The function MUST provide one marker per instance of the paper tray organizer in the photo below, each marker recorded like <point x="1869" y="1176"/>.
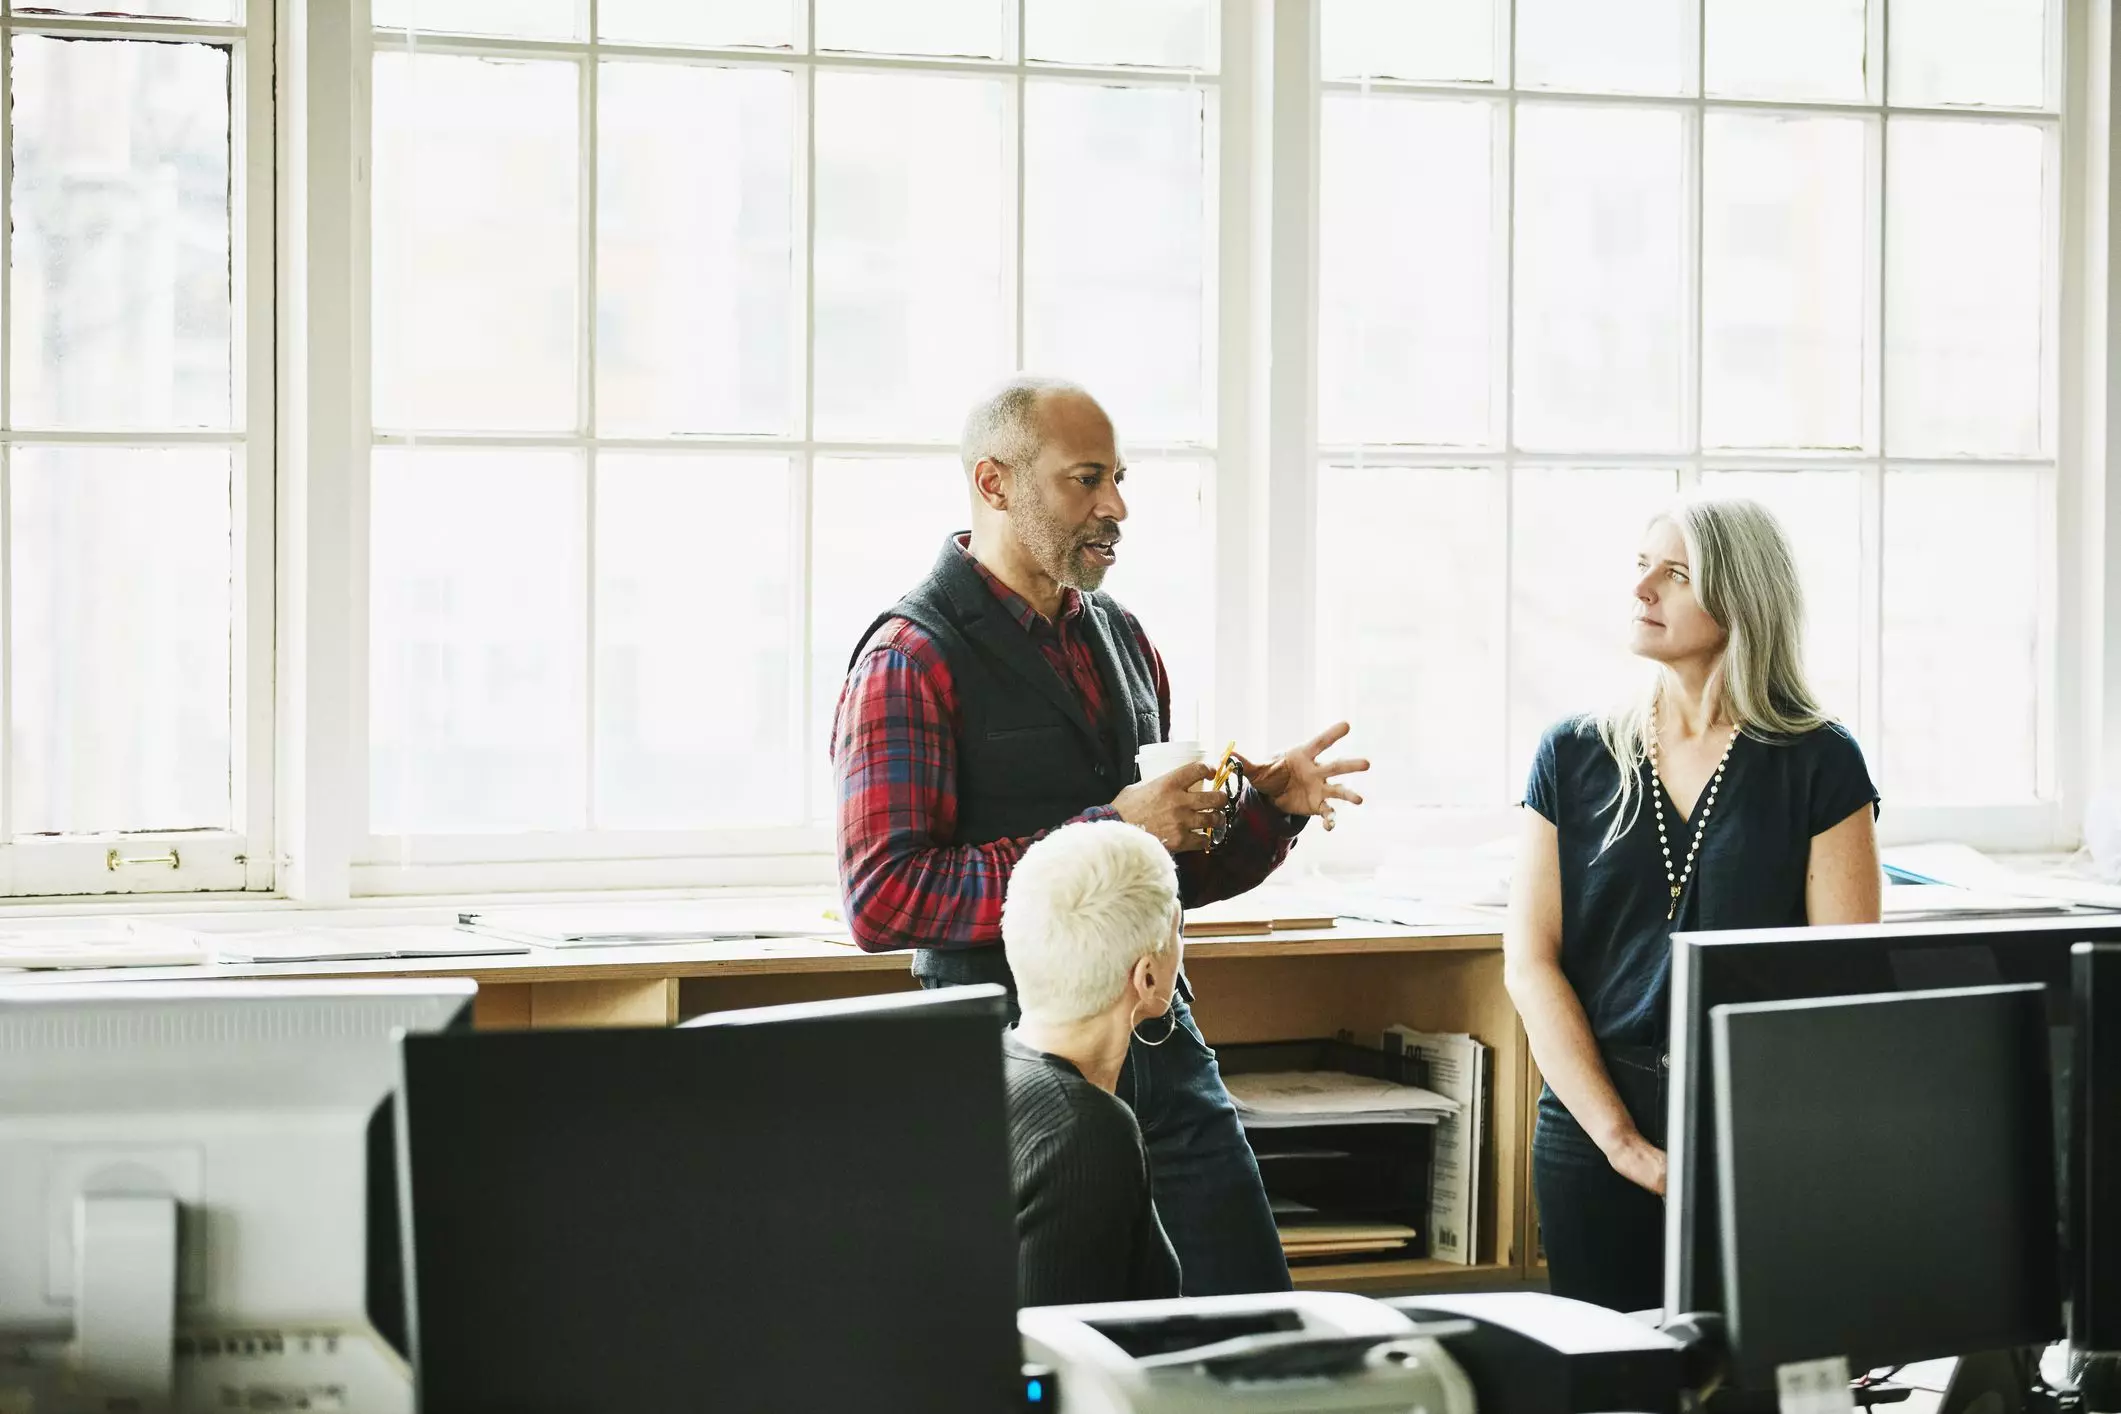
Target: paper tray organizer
<point x="1347" y="1174"/>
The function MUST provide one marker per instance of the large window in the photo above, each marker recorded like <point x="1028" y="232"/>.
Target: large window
<point x="1575" y="259"/>
<point x="677" y="309"/>
<point x="135" y="437"/>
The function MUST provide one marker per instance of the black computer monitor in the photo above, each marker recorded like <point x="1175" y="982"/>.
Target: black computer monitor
<point x="1886" y="1174"/>
<point x="2095" y="1155"/>
<point x="1791" y="964"/>
<point x="804" y="1214"/>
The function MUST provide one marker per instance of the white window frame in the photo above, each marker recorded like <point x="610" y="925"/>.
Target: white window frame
<point x="1262" y="522"/>
<point x="2068" y="638"/>
<point x="182" y="861"/>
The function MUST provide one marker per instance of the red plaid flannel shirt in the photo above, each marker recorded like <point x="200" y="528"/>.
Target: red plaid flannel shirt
<point x="894" y="755"/>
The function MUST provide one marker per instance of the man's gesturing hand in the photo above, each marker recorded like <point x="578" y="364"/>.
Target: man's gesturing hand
<point x="1173" y="808"/>
<point x="1300" y="784"/>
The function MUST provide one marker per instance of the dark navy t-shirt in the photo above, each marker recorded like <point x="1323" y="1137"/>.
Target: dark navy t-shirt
<point x="1615" y="939"/>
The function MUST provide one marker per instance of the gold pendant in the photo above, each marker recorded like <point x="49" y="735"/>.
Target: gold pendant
<point x="1673" y="911"/>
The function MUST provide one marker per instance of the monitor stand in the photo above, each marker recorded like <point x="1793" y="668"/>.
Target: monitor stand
<point x="125" y="1296"/>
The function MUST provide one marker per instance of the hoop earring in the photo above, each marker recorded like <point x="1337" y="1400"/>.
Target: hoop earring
<point x="1171" y="1025"/>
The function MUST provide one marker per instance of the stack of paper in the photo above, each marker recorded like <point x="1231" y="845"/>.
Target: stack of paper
<point x="125" y="943"/>
<point x="1458" y="1066"/>
<point x="1344" y="1239"/>
<point x="626" y="924"/>
<point x="1266" y="910"/>
<point x="319" y="944"/>
<point x="1288" y="1098"/>
<point x="1962" y="867"/>
<point x="1925" y="903"/>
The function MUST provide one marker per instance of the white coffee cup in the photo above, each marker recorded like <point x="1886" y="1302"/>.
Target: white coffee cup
<point x="1160" y="758"/>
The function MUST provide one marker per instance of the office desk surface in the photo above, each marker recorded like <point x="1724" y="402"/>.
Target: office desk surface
<point x="1359" y="977"/>
<point x="766" y="955"/>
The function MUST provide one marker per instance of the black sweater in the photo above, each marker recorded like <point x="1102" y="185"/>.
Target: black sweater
<point x="1086" y="1229"/>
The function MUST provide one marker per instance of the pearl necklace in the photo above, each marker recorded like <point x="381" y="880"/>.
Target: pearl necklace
<point x="1678" y="881"/>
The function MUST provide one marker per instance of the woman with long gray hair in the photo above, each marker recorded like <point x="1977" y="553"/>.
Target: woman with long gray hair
<point x="1720" y="796"/>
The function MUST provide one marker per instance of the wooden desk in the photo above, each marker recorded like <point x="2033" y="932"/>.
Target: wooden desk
<point x="1358" y="977"/>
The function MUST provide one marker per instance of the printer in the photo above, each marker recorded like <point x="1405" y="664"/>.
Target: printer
<point x="1527" y="1352"/>
<point x="1275" y="1353"/>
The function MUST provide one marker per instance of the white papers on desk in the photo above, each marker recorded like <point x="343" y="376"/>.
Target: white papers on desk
<point x="1963" y="867"/>
<point x="631" y="924"/>
<point x="125" y="943"/>
<point x="358" y="944"/>
<point x="1287" y="1098"/>
<point x="1458" y="1066"/>
<point x="1923" y="903"/>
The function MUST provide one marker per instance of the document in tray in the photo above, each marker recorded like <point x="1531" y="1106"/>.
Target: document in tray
<point x="690" y="921"/>
<point x="1457" y="1065"/>
<point x="121" y="944"/>
<point x="358" y="944"/>
<point x="1297" y="1097"/>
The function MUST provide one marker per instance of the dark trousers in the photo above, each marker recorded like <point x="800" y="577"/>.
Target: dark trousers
<point x="1202" y="1174"/>
<point x="1604" y="1236"/>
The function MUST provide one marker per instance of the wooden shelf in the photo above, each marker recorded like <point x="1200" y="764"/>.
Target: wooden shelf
<point x="1413" y="1275"/>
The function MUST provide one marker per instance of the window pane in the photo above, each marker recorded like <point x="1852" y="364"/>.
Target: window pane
<point x="758" y="24"/>
<point x="476" y="642"/>
<point x="1614" y="46"/>
<point x="1969" y="51"/>
<point x="1406" y="254"/>
<point x="149" y="9"/>
<point x="475" y="202"/>
<point x="1962" y="636"/>
<point x="1966" y="277"/>
<point x="1784" y="282"/>
<point x="911" y="239"/>
<point x="121" y="313"/>
<point x="696" y="304"/>
<point x="876" y="527"/>
<point x="1423" y="688"/>
<point x="1165" y="578"/>
<point x="1574" y="537"/>
<point x="1822" y="517"/>
<point x="967" y="27"/>
<point x="1114" y="286"/>
<point x="694" y="661"/>
<point x="1449" y="40"/>
<point x="1601" y="277"/>
<point x="1786" y="49"/>
<point x="534" y="19"/>
<point x="121" y="611"/>
<point x="1172" y="34"/>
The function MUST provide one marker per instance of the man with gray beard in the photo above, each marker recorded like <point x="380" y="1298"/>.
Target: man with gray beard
<point x="1004" y="697"/>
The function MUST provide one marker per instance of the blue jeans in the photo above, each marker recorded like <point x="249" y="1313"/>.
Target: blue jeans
<point x="1202" y="1175"/>
<point x="1201" y="1169"/>
<point x="1604" y="1236"/>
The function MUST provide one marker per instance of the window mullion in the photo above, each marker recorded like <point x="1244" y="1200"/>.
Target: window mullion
<point x="802" y="684"/>
<point x="586" y="365"/>
<point x="7" y="453"/>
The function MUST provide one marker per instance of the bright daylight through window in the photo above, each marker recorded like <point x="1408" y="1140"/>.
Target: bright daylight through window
<point x="670" y="311"/>
<point x="1801" y="250"/>
<point x="132" y="651"/>
<point x="677" y="310"/>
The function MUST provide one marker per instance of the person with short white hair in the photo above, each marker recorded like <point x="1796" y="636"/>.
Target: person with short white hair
<point x="1091" y="929"/>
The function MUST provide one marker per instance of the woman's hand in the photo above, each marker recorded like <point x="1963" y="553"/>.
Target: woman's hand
<point x="1638" y="1161"/>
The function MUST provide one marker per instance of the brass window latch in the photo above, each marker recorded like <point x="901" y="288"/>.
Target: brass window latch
<point x="113" y="859"/>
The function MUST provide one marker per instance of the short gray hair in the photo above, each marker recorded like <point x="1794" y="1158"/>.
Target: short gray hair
<point x="1002" y="427"/>
<point x="1085" y="904"/>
